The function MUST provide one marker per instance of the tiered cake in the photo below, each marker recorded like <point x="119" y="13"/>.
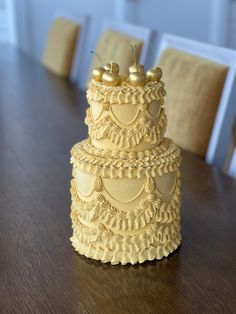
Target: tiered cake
<point x="126" y="181"/>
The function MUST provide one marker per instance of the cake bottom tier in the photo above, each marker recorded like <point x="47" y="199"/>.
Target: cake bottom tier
<point x="127" y="216"/>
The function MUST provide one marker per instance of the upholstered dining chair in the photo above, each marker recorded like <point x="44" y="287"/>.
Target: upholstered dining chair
<point x="200" y="102"/>
<point x="63" y="52"/>
<point x="115" y="44"/>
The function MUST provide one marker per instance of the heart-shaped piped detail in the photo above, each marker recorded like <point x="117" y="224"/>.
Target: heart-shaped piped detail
<point x="154" y="108"/>
<point x="125" y="114"/>
<point x="122" y="190"/>
<point x="85" y="183"/>
<point x="165" y="184"/>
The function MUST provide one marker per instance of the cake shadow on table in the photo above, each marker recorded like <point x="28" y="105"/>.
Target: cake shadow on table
<point x="126" y="180"/>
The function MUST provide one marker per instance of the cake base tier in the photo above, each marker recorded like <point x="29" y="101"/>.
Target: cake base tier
<point x="125" y="206"/>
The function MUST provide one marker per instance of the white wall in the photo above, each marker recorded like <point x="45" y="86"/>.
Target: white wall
<point x="204" y="20"/>
<point x="7" y="27"/>
<point x="232" y="26"/>
<point x="3" y="21"/>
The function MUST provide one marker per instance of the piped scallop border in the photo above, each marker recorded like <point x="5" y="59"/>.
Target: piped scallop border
<point x="122" y="137"/>
<point x="116" y="164"/>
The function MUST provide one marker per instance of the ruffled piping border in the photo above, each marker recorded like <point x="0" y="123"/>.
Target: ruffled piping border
<point x="125" y="94"/>
<point x="89" y="159"/>
<point x="105" y="256"/>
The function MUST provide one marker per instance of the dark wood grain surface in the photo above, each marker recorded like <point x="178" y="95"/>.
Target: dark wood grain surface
<point x="41" y="117"/>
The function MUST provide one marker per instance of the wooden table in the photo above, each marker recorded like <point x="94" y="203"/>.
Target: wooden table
<point x="41" y="117"/>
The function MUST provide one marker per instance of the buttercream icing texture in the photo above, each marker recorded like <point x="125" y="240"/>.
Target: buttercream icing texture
<point x="125" y="185"/>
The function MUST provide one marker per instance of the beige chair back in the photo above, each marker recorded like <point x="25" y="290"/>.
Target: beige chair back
<point x="194" y="86"/>
<point x="60" y="47"/>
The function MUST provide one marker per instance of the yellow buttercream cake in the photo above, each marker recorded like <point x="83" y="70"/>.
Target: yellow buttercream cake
<point x="126" y="180"/>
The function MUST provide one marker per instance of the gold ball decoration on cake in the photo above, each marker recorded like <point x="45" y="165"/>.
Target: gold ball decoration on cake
<point x="112" y="66"/>
<point x="136" y="68"/>
<point x="97" y="74"/>
<point x="111" y="79"/>
<point x="154" y="74"/>
<point x="111" y="75"/>
<point x="137" y="76"/>
<point x="137" y="79"/>
<point x="125" y="185"/>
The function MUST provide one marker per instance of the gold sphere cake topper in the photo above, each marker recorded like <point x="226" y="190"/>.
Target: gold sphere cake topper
<point x="136" y="68"/>
<point x="137" y="79"/>
<point x="137" y="76"/>
<point x="108" y="74"/>
<point x="111" y="76"/>
<point x="97" y="73"/>
<point x="154" y="74"/>
<point x="112" y="67"/>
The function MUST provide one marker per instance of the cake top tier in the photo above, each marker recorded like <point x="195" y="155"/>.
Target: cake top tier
<point x="126" y="112"/>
